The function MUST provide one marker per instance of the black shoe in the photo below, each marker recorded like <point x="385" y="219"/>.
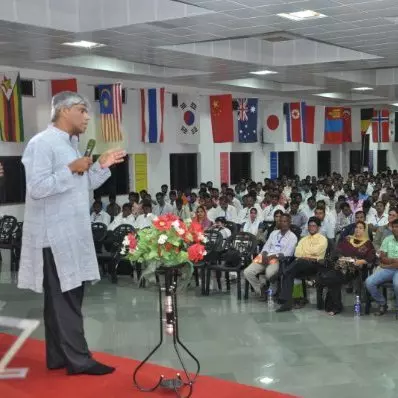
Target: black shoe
<point x="284" y="308"/>
<point x="57" y="367"/>
<point x="98" y="369"/>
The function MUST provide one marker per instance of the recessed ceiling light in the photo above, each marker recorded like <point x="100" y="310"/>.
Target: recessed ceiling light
<point x="302" y="15"/>
<point x="84" y="44"/>
<point x="329" y="95"/>
<point x="362" y="89"/>
<point x="263" y="72"/>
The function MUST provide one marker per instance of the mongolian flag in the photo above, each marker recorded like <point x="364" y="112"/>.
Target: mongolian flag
<point x="11" y="121"/>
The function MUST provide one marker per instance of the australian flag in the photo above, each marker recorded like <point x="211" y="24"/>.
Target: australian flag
<point x="247" y="119"/>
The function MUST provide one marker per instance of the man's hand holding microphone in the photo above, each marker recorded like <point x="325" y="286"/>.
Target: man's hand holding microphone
<point x="107" y="159"/>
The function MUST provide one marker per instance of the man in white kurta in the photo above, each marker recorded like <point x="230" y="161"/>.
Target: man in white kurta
<point x="58" y="252"/>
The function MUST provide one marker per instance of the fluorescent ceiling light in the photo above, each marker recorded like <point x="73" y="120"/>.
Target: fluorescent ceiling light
<point x="302" y="15"/>
<point x="263" y="72"/>
<point x="362" y="89"/>
<point x="84" y="44"/>
<point x="329" y="95"/>
<point x="395" y="104"/>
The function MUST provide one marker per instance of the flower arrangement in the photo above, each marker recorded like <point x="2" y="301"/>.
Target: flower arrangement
<point x="168" y="242"/>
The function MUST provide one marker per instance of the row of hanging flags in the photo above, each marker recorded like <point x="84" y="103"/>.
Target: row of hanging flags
<point x="289" y="122"/>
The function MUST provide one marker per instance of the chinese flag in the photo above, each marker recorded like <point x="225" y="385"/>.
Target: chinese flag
<point x="57" y="86"/>
<point x="222" y="118"/>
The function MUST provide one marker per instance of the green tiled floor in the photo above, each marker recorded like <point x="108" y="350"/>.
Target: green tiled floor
<point x="304" y="352"/>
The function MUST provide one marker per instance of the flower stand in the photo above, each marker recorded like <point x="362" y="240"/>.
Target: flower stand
<point x="168" y="316"/>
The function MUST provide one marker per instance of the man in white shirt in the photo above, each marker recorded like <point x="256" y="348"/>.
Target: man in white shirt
<point x="220" y="223"/>
<point x="162" y="208"/>
<point x="212" y="211"/>
<point x="268" y="213"/>
<point x="327" y="225"/>
<point x="181" y="210"/>
<point x="309" y="209"/>
<point x="378" y="219"/>
<point x="233" y="201"/>
<point x="125" y="217"/>
<point x="99" y="215"/>
<point x="144" y="220"/>
<point x="245" y="212"/>
<point x="227" y="211"/>
<point x="281" y="243"/>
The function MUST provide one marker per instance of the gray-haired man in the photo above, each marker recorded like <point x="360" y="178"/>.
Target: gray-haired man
<point x="58" y="252"/>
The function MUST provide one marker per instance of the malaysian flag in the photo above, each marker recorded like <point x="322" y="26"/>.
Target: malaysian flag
<point x="110" y="98"/>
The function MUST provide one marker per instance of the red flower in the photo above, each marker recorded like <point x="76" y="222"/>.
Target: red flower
<point x="132" y="242"/>
<point x="196" y="252"/>
<point x="162" y="223"/>
<point x="196" y="230"/>
<point x="168" y="246"/>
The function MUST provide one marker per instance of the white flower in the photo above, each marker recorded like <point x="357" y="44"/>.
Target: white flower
<point x="201" y="236"/>
<point x="162" y="239"/>
<point x="123" y="251"/>
<point x="205" y="253"/>
<point x="176" y="224"/>
<point x="126" y="241"/>
<point x="180" y="231"/>
<point x="156" y="218"/>
<point x="204" y="239"/>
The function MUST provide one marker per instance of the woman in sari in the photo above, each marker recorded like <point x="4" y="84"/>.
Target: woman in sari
<point x="201" y="218"/>
<point x="352" y="255"/>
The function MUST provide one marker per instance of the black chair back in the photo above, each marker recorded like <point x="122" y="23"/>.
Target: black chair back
<point x="232" y="227"/>
<point x="7" y="227"/>
<point x="17" y="234"/>
<point x="215" y="240"/>
<point x="244" y="242"/>
<point x="99" y="231"/>
<point x="119" y="234"/>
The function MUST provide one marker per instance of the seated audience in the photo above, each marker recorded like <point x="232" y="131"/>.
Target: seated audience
<point x="134" y="199"/>
<point x="352" y="255"/>
<point x="249" y="203"/>
<point x="345" y="217"/>
<point x="280" y="244"/>
<point x="385" y="230"/>
<point x="379" y="219"/>
<point x="220" y="223"/>
<point x="172" y="198"/>
<point x="350" y="229"/>
<point x="226" y="210"/>
<point x="354" y="201"/>
<point x="202" y="219"/>
<point x="145" y="219"/>
<point x="298" y="217"/>
<point x="182" y="211"/>
<point x="268" y="213"/>
<point x="125" y="217"/>
<point x="309" y="253"/>
<point x="253" y="223"/>
<point x="113" y="209"/>
<point x="275" y="224"/>
<point x="99" y="215"/>
<point x="162" y="208"/>
<point x="388" y="270"/>
<point x="309" y="208"/>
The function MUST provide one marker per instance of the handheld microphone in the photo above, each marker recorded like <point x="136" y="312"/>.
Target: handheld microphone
<point x="90" y="147"/>
<point x="89" y="150"/>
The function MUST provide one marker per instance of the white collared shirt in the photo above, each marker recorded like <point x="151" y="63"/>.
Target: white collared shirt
<point x="377" y="221"/>
<point x="269" y="211"/>
<point x="119" y="220"/>
<point x="163" y="210"/>
<point x="143" y="221"/>
<point x="230" y="214"/>
<point x="102" y="217"/>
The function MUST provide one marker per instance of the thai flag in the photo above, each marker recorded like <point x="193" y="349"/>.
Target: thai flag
<point x="152" y="115"/>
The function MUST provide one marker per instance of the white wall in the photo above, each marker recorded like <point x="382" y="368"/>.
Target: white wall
<point x="36" y="113"/>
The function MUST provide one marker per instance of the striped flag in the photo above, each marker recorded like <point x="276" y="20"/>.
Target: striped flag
<point x="394" y="126"/>
<point x="381" y="125"/>
<point x="152" y="115"/>
<point x="11" y="121"/>
<point x="110" y="98"/>
<point x="314" y="124"/>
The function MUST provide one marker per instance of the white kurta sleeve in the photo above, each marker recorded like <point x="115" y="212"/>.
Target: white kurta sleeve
<point x="97" y="175"/>
<point x="41" y="180"/>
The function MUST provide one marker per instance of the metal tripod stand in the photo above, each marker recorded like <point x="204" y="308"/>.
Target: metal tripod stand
<point x="169" y="325"/>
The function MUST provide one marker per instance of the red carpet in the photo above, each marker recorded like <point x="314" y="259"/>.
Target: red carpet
<point x="41" y="383"/>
